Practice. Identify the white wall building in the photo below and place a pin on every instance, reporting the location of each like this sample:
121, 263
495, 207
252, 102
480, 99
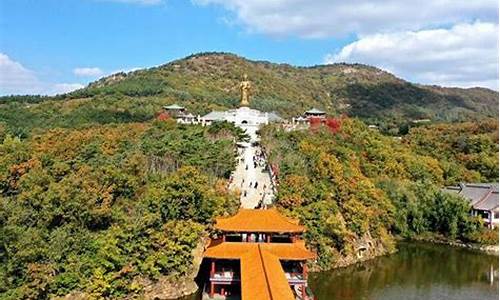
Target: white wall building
244, 117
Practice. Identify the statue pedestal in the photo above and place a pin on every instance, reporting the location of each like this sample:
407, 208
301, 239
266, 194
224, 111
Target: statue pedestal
248, 119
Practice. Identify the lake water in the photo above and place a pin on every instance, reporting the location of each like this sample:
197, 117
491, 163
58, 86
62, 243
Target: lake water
416, 271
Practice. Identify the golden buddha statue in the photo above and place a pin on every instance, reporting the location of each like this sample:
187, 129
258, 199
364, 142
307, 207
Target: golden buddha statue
245, 87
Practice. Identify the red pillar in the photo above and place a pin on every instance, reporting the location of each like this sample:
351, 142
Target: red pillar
268, 237
223, 237
304, 271
303, 290
212, 285
212, 289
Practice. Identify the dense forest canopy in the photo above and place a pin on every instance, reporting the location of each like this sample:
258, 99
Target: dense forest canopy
349, 182
98, 196
468, 152
96, 209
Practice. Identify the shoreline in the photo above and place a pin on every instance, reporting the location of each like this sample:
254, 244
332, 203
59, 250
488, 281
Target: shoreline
350, 261
487, 249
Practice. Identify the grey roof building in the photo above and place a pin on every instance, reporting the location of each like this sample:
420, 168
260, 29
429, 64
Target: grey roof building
315, 112
215, 116
274, 117
483, 197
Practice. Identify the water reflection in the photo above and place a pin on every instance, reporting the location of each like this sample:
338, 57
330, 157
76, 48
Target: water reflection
417, 271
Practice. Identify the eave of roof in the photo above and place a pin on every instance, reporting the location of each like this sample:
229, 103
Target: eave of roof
315, 111
262, 220
235, 250
477, 194
490, 202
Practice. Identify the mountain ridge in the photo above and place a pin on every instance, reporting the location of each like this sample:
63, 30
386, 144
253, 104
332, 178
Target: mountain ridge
209, 81
286, 65
350, 74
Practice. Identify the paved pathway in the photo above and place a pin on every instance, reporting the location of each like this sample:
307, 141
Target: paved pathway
245, 176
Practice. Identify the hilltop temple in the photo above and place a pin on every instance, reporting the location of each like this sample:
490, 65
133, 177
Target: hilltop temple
244, 117
247, 118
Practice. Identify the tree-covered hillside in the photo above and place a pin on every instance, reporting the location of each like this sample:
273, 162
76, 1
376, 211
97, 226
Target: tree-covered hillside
203, 82
353, 186
99, 196
101, 210
467, 152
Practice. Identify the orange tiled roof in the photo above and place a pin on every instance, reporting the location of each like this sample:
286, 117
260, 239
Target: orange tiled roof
262, 277
293, 251
254, 284
258, 220
276, 279
227, 250
235, 250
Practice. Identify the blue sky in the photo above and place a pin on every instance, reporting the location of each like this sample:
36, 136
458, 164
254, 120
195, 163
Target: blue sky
51, 46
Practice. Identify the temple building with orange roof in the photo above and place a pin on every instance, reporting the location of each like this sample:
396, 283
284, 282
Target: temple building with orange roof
258, 255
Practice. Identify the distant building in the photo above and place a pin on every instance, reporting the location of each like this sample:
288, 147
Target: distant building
244, 117
304, 119
181, 115
315, 113
300, 120
188, 119
174, 110
483, 198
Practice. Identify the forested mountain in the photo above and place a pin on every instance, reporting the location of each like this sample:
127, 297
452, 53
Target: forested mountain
100, 197
207, 81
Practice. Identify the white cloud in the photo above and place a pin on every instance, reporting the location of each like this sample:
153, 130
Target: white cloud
15, 79
325, 18
447, 42
465, 55
88, 72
